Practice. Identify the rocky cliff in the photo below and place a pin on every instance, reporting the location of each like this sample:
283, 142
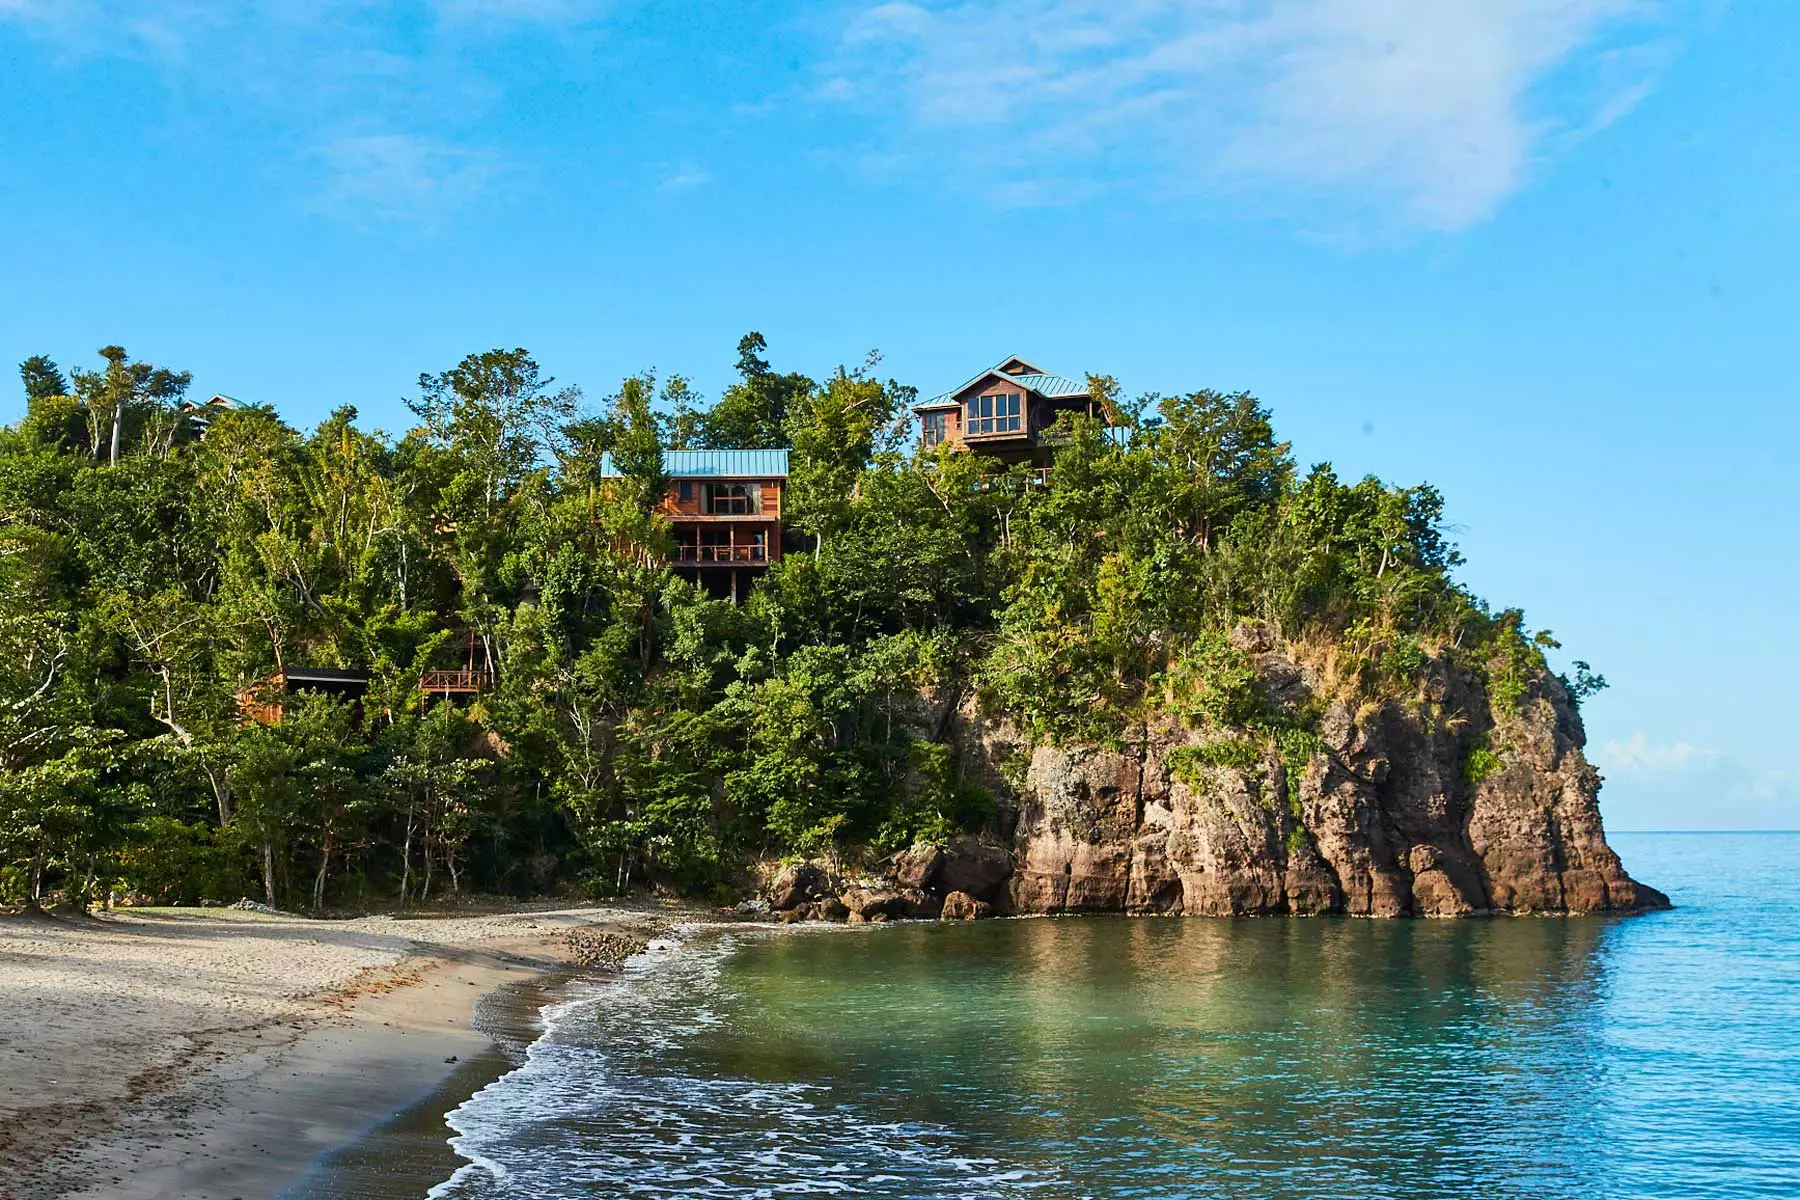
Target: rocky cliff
1443, 804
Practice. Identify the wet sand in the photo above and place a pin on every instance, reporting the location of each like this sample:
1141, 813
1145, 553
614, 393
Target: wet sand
213, 1053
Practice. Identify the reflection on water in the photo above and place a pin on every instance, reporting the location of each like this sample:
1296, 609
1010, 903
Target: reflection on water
1175, 1058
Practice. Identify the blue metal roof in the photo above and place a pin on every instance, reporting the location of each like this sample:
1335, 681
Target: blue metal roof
715, 464
1043, 384
1052, 385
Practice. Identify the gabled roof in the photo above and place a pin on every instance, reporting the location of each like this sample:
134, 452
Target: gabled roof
219, 400
714, 464
1036, 380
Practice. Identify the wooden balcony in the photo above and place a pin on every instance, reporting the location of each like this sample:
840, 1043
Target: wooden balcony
453, 682
704, 555
1037, 477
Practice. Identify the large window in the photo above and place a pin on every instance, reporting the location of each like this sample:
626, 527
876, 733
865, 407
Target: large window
994, 414
936, 428
732, 499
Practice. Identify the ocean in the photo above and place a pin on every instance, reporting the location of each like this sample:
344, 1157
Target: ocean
1640, 1057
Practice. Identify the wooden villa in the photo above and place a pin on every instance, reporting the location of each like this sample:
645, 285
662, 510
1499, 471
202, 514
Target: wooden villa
1005, 412
264, 701
724, 509
458, 684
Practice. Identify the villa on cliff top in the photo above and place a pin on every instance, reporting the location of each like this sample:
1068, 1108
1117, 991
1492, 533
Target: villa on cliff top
1005, 412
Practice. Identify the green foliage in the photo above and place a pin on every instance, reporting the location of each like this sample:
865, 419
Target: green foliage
1481, 762
1237, 753
1584, 683
635, 730
1298, 748
43, 378
1513, 661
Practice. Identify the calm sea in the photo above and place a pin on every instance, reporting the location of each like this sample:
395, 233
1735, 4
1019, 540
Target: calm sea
1655, 1056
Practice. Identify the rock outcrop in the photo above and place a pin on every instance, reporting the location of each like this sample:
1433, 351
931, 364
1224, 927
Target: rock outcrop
1397, 809
1446, 804
960, 906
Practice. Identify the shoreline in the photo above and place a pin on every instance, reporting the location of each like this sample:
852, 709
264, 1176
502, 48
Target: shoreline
210, 1053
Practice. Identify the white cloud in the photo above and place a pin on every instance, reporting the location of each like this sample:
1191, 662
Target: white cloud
362, 125
1678, 785
1430, 110
686, 178
398, 176
551, 12
1637, 755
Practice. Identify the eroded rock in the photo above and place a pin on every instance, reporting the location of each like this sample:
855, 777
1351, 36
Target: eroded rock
960, 906
1382, 817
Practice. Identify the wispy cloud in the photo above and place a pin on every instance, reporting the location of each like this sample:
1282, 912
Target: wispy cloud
686, 178
553, 12
1431, 112
1638, 755
379, 127
1678, 785
401, 177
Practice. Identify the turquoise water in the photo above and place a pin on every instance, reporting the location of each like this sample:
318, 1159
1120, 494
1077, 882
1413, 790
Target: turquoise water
1655, 1056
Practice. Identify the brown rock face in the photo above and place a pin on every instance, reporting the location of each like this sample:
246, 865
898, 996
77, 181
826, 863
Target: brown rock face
960, 906
870, 904
796, 886
921, 905
963, 864
1390, 816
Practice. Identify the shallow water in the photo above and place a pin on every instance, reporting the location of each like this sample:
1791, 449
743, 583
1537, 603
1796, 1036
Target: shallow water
1656, 1056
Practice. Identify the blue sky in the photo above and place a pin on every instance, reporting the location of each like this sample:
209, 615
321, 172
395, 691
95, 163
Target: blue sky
1541, 253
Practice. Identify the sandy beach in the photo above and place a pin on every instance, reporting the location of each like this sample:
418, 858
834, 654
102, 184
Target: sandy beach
219, 1053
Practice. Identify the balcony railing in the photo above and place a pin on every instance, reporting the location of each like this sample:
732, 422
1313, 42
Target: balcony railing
1037, 477
721, 554
453, 681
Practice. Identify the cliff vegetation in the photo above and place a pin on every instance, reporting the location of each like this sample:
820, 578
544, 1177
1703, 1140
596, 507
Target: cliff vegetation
1185, 676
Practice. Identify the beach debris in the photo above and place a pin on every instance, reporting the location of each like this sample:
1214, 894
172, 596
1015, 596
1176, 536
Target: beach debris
590, 947
249, 905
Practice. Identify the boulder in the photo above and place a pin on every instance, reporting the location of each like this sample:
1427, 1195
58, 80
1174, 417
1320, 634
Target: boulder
960, 906
870, 903
830, 909
921, 905
915, 866
797, 884
974, 867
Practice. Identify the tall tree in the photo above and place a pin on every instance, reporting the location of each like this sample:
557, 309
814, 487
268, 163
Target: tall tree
43, 378
752, 414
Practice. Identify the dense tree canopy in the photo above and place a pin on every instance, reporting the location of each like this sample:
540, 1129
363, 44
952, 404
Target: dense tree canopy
155, 573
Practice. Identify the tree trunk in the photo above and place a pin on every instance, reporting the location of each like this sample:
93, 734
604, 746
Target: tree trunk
84, 898
118, 422
268, 866
34, 896
319, 882
406, 856
221, 789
